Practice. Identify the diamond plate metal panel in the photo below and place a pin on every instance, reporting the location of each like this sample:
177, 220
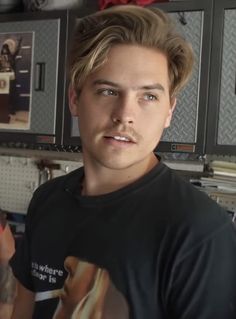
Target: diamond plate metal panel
227, 111
45, 49
183, 127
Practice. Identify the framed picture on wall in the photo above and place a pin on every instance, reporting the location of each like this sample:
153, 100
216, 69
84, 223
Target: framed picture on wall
32, 77
15, 79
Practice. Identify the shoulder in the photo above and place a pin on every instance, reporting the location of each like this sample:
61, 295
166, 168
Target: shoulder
177, 192
53, 190
187, 211
63, 182
184, 196
197, 218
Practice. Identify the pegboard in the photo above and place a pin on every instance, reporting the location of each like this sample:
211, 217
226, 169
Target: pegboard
20, 177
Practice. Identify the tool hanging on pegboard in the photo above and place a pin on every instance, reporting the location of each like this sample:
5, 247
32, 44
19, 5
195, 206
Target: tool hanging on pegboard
46, 168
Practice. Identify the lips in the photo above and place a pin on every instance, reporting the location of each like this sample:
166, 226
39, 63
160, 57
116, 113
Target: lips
121, 137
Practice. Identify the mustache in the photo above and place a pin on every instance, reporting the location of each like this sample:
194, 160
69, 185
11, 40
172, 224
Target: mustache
123, 129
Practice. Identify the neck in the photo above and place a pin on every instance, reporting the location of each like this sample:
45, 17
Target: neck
100, 180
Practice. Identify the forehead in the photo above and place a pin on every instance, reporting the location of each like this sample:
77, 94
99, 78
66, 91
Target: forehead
132, 64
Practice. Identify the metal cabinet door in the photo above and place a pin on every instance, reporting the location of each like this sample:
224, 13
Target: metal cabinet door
187, 131
222, 102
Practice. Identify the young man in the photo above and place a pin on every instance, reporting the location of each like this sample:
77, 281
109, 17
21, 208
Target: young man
125, 223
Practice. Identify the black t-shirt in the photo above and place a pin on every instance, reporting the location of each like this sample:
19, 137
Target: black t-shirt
157, 248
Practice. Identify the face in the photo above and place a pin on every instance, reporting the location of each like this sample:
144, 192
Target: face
76, 289
124, 107
78, 285
89, 293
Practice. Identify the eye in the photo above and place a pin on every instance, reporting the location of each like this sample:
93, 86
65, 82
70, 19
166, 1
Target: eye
150, 97
107, 92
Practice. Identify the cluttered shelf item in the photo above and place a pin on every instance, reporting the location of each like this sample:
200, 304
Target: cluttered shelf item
219, 183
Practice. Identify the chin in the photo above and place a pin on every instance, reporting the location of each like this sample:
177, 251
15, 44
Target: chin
119, 163
116, 165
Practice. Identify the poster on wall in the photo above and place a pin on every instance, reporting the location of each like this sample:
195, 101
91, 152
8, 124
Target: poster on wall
16, 54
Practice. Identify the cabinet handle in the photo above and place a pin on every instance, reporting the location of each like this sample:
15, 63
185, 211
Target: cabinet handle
40, 69
235, 84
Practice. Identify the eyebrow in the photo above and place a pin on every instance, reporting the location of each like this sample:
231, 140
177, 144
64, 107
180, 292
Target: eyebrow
155, 86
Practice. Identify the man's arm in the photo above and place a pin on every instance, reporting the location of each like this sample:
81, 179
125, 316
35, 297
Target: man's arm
13, 296
7, 280
24, 303
7, 290
7, 244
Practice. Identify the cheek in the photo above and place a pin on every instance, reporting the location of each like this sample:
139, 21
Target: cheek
152, 129
89, 125
92, 121
153, 124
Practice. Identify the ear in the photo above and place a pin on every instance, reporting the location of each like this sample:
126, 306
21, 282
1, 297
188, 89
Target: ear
170, 113
73, 101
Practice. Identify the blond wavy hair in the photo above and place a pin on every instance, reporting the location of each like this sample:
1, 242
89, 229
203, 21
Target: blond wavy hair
128, 24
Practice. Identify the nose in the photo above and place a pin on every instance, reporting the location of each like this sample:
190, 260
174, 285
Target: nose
70, 264
124, 111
